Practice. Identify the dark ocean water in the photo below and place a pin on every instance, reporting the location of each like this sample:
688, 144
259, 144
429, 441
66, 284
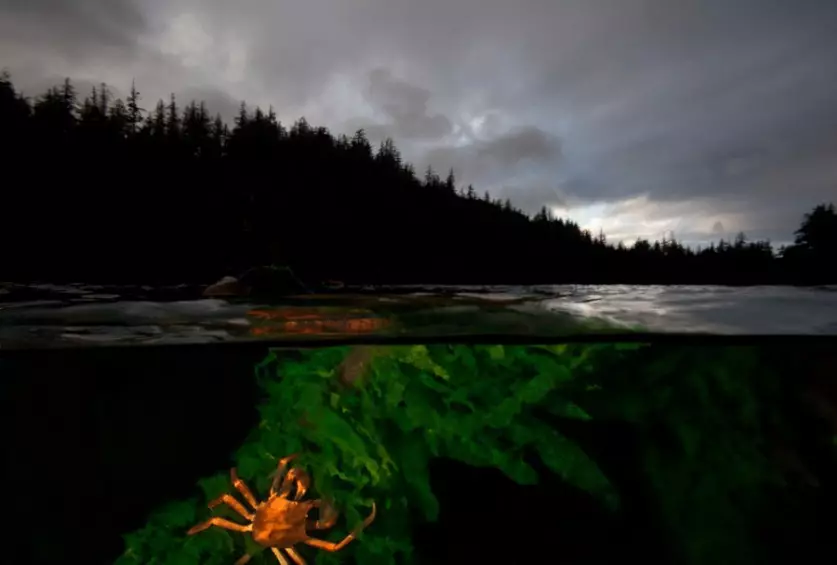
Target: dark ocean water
98, 439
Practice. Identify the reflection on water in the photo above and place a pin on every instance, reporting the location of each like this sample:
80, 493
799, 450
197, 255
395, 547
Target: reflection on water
708, 309
48, 315
284, 321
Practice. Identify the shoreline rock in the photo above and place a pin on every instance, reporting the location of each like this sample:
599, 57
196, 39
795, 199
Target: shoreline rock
265, 280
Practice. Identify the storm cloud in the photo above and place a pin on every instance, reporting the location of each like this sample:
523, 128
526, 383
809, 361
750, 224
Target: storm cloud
634, 116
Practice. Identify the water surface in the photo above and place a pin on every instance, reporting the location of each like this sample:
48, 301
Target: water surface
83, 315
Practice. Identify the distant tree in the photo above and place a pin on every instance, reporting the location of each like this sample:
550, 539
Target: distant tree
431, 179
104, 99
55, 112
90, 113
642, 246
219, 132
15, 110
173, 123
68, 97
197, 129
360, 145
301, 128
118, 119
134, 116
243, 116
271, 117
198, 200
388, 154
450, 182
157, 120
818, 232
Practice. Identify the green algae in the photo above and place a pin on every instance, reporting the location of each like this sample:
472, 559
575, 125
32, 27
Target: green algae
704, 413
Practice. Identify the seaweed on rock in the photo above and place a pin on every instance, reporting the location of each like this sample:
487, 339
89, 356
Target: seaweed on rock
373, 440
368, 420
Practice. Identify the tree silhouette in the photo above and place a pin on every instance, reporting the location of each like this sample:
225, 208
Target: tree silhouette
450, 183
102, 190
813, 256
134, 114
818, 232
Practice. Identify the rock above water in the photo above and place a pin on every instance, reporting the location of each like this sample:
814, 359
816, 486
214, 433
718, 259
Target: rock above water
227, 286
258, 280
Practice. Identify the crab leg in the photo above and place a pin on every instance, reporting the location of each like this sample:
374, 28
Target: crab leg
332, 546
279, 479
243, 559
295, 556
279, 556
244, 490
328, 516
302, 481
221, 523
232, 503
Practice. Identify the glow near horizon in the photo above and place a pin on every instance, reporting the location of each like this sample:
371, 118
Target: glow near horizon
638, 218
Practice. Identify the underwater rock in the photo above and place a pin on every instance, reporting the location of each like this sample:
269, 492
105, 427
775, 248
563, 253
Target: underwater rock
354, 365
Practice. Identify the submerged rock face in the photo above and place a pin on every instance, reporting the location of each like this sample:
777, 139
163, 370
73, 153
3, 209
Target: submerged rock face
258, 280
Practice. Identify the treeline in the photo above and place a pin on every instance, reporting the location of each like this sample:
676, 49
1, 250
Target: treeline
96, 188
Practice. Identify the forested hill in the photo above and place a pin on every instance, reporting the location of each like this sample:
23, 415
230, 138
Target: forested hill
98, 189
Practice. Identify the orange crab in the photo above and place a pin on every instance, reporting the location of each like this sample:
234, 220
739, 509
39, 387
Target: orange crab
281, 521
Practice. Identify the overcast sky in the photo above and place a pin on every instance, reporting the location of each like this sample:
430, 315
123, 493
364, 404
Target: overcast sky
639, 117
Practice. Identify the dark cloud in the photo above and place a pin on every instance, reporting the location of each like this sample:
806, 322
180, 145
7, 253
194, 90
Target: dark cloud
503, 157
406, 107
74, 27
402, 112
523, 144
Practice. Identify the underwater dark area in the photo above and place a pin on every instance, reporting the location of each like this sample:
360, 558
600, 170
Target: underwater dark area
691, 452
